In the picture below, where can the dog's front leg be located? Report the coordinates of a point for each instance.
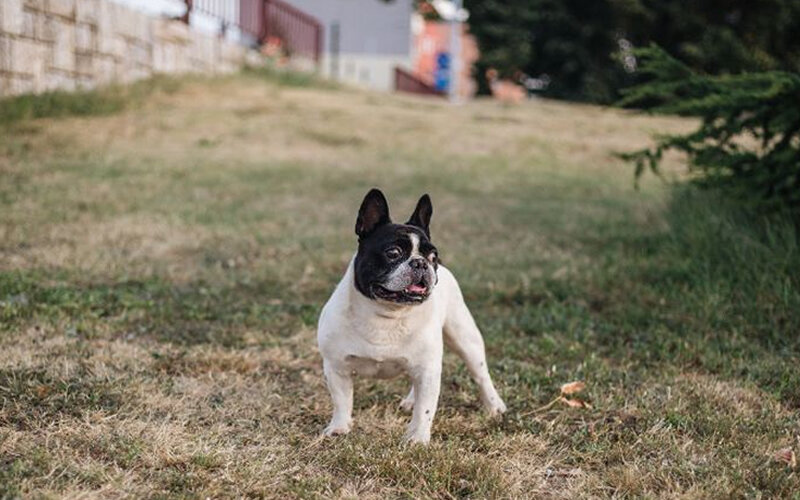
(427, 382)
(341, 387)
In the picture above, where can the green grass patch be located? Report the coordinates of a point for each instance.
(717, 290)
(286, 77)
(30, 397)
(98, 102)
(194, 313)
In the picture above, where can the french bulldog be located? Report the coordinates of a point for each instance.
(391, 313)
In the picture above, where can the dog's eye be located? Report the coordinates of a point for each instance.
(393, 253)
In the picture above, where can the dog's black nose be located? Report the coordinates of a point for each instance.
(418, 264)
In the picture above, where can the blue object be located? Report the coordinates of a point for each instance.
(441, 77)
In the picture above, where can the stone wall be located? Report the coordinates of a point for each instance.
(70, 44)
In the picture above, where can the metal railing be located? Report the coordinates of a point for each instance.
(405, 81)
(251, 18)
(272, 22)
(226, 12)
(300, 33)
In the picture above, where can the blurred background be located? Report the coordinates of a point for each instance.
(568, 50)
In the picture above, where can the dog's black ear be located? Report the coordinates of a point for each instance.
(374, 212)
(421, 217)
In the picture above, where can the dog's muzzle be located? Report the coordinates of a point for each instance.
(414, 284)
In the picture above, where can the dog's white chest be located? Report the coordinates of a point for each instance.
(378, 368)
(383, 332)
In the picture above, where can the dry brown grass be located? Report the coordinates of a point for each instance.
(163, 269)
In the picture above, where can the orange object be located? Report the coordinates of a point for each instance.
(505, 90)
(433, 39)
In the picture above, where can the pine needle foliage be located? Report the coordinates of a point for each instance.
(748, 141)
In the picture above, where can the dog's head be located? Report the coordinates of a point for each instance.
(395, 262)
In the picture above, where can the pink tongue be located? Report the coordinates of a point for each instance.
(416, 289)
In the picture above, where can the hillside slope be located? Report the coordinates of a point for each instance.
(161, 270)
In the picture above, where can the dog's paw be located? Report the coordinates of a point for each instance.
(336, 429)
(417, 437)
(496, 408)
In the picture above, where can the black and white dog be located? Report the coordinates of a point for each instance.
(391, 314)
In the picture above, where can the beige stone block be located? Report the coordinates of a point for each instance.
(130, 74)
(11, 17)
(44, 27)
(232, 53)
(160, 60)
(21, 85)
(138, 52)
(138, 73)
(132, 24)
(111, 44)
(185, 63)
(105, 41)
(144, 27)
(204, 51)
(126, 23)
(87, 11)
(56, 80)
(28, 24)
(84, 37)
(179, 58)
(166, 57)
(166, 30)
(5, 53)
(121, 67)
(40, 5)
(104, 70)
(64, 46)
(146, 57)
(24, 62)
(25, 56)
(120, 47)
(84, 63)
(63, 8)
(107, 27)
(85, 82)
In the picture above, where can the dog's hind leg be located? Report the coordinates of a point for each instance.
(461, 334)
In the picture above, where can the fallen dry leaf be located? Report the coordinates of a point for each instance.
(575, 403)
(787, 456)
(572, 388)
(42, 391)
(566, 389)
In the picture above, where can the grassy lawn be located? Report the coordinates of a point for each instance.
(163, 263)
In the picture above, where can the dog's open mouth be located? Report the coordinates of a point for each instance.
(415, 292)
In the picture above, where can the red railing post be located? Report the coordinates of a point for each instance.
(299, 32)
(317, 43)
(265, 31)
(408, 82)
(185, 17)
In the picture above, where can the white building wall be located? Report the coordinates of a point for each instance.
(373, 72)
(374, 37)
